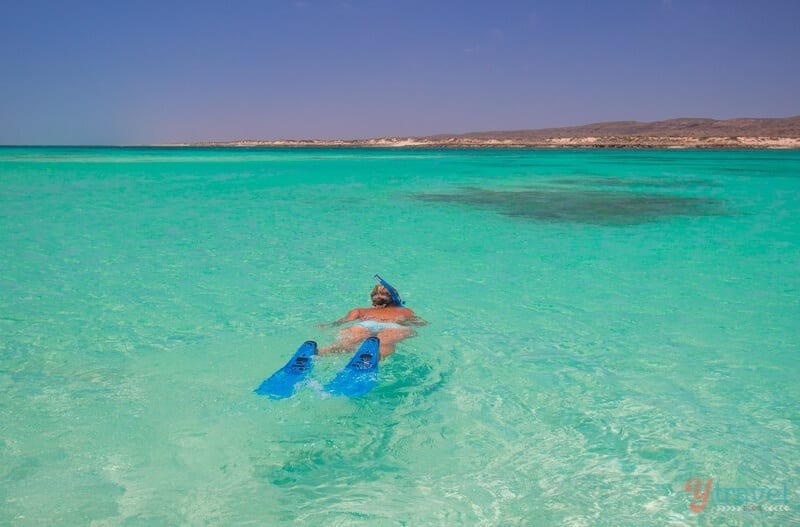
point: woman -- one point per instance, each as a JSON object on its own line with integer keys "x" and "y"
{"x": 385, "y": 319}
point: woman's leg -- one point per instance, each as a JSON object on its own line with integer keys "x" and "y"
{"x": 391, "y": 336}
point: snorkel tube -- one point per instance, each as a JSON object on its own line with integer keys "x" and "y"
{"x": 392, "y": 291}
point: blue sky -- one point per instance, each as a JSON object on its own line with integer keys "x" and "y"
{"x": 125, "y": 72}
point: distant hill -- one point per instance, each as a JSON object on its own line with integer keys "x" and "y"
{"x": 682, "y": 127}
{"x": 672, "y": 133}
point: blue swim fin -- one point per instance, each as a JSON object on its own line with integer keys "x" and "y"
{"x": 360, "y": 374}
{"x": 281, "y": 384}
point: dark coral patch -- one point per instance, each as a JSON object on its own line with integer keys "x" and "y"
{"x": 601, "y": 207}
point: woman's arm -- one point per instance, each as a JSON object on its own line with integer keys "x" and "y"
{"x": 349, "y": 317}
{"x": 416, "y": 321}
{"x": 411, "y": 319}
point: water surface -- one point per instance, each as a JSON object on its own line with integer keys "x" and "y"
{"x": 603, "y": 326}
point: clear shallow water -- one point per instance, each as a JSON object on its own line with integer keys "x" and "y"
{"x": 603, "y": 326}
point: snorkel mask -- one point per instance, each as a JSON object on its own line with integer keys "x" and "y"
{"x": 392, "y": 291}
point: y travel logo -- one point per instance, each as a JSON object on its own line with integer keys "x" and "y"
{"x": 736, "y": 499}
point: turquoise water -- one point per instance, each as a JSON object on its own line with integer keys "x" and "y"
{"x": 603, "y": 326}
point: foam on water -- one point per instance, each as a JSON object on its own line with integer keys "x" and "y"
{"x": 603, "y": 326}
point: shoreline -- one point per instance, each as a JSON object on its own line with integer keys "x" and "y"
{"x": 607, "y": 142}
{"x": 687, "y": 133}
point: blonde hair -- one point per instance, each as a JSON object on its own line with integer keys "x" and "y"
{"x": 381, "y": 289}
